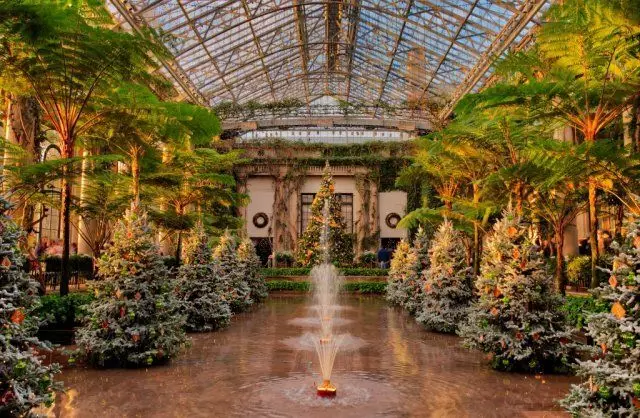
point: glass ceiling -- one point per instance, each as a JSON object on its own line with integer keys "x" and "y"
{"x": 417, "y": 56}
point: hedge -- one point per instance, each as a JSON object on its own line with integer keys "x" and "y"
{"x": 275, "y": 285}
{"x": 578, "y": 308}
{"x": 360, "y": 287}
{"x": 304, "y": 271}
{"x": 62, "y": 312}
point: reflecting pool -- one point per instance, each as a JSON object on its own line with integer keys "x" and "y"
{"x": 259, "y": 367}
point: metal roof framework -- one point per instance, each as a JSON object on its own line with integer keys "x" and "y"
{"x": 375, "y": 54}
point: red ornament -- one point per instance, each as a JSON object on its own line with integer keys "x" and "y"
{"x": 138, "y": 296}
{"x": 105, "y": 324}
{"x": 6, "y": 262}
{"x": 123, "y": 311}
{"x": 18, "y": 316}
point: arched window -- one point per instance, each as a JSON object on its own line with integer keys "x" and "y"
{"x": 50, "y": 222}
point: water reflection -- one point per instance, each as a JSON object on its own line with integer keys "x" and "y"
{"x": 249, "y": 370}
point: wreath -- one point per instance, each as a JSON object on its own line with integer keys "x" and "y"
{"x": 260, "y": 220}
{"x": 392, "y": 220}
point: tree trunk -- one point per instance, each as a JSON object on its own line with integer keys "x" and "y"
{"x": 476, "y": 250}
{"x": 135, "y": 176}
{"x": 593, "y": 231}
{"x": 560, "y": 277}
{"x": 519, "y": 197}
{"x": 179, "y": 249}
{"x": 65, "y": 216}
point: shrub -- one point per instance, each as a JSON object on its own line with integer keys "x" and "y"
{"x": 63, "y": 312}
{"x": 275, "y": 285}
{"x": 578, "y": 309}
{"x": 377, "y": 288}
{"x": 284, "y": 257}
{"x": 367, "y": 259}
{"x": 579, "y": 269}
{"x": 304, "y": 271}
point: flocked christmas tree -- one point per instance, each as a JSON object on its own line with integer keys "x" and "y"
{"x": 136, "y": 317}
{"x": 403, "y": 275}
{"x": 24, "y": 381}
{"x": 309, "y": 252}
{"x": 199, "y": 287}
{"x": 447, "y": 290}
{"x": 517, "y": 318}
{"x": 612, "y": 386}
{"x": 422, "y": 245}
{"x": 231, "y": 274}
{"x": 251, "y": 264}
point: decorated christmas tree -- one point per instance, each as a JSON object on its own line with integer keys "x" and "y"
{"x": 309, "y": 252}
{"x": 231, "y": 274}
{"x": 251, "y": 265}
{"x": 517, "y": 318}
{"x": 422, "y": 245}
{"x": 199, "y": 288}
{"x": 136, "y": 318}
{"x": 403, "y": 275}
{"x": 612, "y": 386}
{"x": 447, "y": 289}
{"x": 24, "y": 381}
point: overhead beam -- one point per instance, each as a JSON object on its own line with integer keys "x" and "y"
{"x": 247, "y": 12}
{"x": 393, "y": 57}
{"x": 171, "y": 66}
{"x": 444, "y": 56}
{"x": 505, "y": 37}
{"x": 301, "y": 29}
{"x": 354, "y": 20}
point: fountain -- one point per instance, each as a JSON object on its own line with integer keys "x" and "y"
{"x": 326, "y": 286}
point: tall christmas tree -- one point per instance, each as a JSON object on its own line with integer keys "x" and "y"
{"x": 309, "y": 252}
{"x": 136, "y": 317}
{"x": 612, "y": 387}
{"x": 403, "y": 274}
{"x": 422, "y": 246}
{"x": 199, "y": 288}
{"x": 24, "y": 381}
{"x": 231, "y": 274}
{"x": 447, "y": 289}
{"x": 517, "y": 318}
{"x": 251, "y": 265}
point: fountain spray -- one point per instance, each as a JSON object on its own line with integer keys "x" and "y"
{"x": 326, "y": 286}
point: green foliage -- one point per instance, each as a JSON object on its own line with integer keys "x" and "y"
{"x": 309, "y": 249}
{"x": 275, "y": 285}
{"x": 136, "y": 318}
{"x": 63, "y": 312}
{"x": 304, "y": 271}
{"x": 304, "y": 286}
{"x": 578, "y": 309}
{"x": 25, "y": 382}
{"x": 378, "y": 288}
{"x": 579, "y": 269}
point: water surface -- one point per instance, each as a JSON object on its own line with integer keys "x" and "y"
{"x": 249, "y": 370}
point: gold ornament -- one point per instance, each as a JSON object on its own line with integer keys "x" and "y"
{"x": 17, "y": 317}
{"x": 618, "y": 310}
{"x": 613, "y": 281}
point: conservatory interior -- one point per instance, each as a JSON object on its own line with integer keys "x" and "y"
{"x": 320, "y": 208}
